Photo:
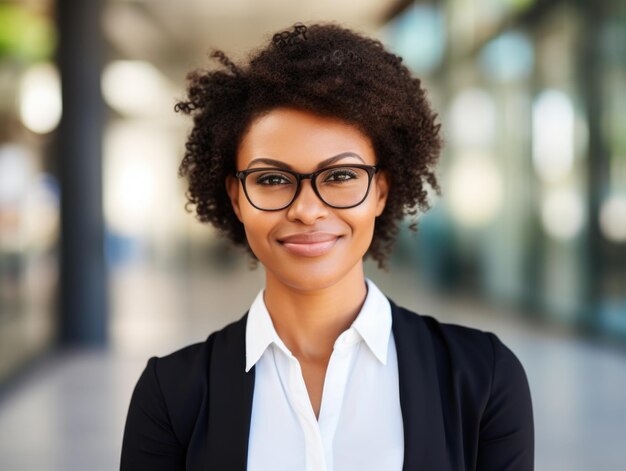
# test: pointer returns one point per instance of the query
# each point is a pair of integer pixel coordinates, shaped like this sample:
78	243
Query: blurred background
101	267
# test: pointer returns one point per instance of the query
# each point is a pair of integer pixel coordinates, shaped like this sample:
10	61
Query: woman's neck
309	321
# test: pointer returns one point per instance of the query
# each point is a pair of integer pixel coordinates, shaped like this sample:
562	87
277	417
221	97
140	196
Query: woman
309	156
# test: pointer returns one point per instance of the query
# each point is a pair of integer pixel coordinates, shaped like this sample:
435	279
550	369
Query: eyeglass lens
337	186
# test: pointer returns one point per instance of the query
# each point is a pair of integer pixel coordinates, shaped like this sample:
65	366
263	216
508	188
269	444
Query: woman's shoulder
173	387
453	334
193	358
486	400
467	350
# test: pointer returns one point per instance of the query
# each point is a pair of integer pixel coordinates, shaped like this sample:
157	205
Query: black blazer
464	398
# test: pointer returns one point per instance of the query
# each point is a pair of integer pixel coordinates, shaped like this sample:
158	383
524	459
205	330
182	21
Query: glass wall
534	168
612	192
30	109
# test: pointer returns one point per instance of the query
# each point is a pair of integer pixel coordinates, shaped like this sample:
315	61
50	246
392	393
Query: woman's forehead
300	137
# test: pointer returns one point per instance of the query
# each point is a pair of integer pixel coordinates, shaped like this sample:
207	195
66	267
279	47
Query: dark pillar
83	287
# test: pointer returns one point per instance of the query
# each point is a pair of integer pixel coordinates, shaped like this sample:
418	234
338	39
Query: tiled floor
68	413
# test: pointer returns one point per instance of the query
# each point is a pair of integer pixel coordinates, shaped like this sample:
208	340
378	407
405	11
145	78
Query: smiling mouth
309	245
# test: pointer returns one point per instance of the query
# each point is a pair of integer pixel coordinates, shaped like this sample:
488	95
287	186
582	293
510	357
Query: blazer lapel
420	398
231	391
230	400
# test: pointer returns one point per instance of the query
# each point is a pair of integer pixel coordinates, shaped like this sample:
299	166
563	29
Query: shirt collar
260	331
373	324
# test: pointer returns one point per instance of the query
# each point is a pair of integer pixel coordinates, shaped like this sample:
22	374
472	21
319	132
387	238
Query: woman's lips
309	245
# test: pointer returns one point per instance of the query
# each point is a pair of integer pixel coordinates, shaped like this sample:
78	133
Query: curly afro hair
328	70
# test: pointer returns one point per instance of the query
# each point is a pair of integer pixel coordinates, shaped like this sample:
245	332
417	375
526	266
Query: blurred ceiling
177	35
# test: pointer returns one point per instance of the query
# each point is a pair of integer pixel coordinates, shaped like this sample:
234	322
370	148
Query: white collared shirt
360	421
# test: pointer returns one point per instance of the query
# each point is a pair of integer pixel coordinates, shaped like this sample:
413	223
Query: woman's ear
232	188
381	180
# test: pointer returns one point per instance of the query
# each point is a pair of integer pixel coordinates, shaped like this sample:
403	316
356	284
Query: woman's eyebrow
337	157
272	162
323	163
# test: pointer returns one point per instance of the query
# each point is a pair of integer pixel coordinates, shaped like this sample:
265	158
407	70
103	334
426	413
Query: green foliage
25	35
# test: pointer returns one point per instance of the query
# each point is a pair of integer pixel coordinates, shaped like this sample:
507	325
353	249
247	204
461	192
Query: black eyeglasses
338	186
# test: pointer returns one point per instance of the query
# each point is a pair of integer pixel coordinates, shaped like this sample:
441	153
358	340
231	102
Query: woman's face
308	245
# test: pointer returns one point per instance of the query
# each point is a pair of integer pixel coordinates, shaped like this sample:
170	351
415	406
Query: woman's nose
307	207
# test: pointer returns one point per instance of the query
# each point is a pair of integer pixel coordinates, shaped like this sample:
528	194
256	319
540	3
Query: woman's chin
316	277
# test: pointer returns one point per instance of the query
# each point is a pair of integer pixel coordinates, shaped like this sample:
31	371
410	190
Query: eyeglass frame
370	169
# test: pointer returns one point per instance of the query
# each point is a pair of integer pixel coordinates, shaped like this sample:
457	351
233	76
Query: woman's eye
341	175
273	179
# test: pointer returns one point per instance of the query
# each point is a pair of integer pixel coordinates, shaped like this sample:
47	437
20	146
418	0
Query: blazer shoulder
483	383
482	347
473	355
195	354
188	359
182	377
453	336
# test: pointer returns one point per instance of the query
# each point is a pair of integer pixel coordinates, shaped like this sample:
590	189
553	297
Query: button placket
335	383
314	446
